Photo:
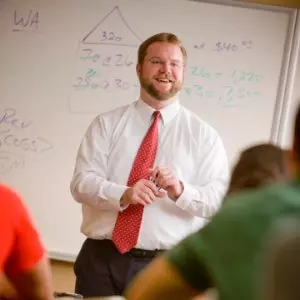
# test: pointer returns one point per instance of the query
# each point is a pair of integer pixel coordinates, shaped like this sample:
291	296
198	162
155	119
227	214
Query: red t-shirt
20	246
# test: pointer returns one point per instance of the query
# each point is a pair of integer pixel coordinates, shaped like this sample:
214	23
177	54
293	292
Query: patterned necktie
127	227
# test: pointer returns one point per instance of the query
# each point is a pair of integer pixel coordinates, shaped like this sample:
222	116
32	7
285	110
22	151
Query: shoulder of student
271	198
8	194
9	200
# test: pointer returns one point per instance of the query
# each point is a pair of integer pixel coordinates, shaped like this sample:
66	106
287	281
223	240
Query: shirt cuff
188	194
115	192
122	206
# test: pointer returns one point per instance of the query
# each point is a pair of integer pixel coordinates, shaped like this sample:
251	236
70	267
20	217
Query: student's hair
257	166
160	37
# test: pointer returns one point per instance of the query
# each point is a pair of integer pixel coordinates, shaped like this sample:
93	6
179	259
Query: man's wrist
123	202
175	197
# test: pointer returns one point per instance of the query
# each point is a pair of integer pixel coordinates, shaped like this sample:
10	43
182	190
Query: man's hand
142	192
167	179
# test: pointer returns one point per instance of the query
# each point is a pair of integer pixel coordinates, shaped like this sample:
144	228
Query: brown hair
259	165
160	37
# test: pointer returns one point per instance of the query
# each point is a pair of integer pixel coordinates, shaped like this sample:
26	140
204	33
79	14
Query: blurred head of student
259	165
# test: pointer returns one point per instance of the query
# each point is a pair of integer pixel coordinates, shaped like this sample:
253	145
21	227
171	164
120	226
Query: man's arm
212	171
205	200
180	273
89	184
36	283
160	280
7	290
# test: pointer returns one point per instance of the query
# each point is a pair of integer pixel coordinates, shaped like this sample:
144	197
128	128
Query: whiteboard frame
293	65
288	66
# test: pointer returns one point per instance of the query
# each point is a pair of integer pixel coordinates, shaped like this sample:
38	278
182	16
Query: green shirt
229	252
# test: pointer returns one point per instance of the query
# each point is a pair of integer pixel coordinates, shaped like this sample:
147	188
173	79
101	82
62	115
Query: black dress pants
101	270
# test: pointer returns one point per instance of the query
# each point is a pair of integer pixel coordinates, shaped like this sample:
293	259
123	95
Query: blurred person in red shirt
23	258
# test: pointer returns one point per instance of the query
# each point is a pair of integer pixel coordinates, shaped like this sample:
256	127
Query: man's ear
138	70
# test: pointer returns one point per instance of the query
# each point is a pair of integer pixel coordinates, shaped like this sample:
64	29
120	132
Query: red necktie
127	227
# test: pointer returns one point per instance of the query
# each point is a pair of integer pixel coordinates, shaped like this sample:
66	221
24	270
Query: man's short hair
163	37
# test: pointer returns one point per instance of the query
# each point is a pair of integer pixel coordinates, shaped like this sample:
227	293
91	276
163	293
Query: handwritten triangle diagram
112	30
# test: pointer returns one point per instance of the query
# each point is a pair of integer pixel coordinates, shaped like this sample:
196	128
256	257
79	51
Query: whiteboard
64	61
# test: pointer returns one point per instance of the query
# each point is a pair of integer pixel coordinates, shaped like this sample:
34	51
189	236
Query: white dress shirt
187	145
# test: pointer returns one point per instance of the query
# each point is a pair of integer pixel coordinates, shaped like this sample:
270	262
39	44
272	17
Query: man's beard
155	93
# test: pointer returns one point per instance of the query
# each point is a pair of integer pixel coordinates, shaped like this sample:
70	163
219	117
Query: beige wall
63	276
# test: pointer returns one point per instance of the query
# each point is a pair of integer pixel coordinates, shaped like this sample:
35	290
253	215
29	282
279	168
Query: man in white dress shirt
190	171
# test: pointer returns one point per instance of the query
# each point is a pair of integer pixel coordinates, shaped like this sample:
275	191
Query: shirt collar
167	113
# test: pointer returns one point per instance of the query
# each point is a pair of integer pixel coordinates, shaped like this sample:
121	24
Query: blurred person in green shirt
228	254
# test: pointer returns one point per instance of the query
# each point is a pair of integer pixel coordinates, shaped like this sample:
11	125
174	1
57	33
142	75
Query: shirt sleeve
26	249
6	234
190	263
204	200
89	184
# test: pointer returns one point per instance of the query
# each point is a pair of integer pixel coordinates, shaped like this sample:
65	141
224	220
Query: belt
140	253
